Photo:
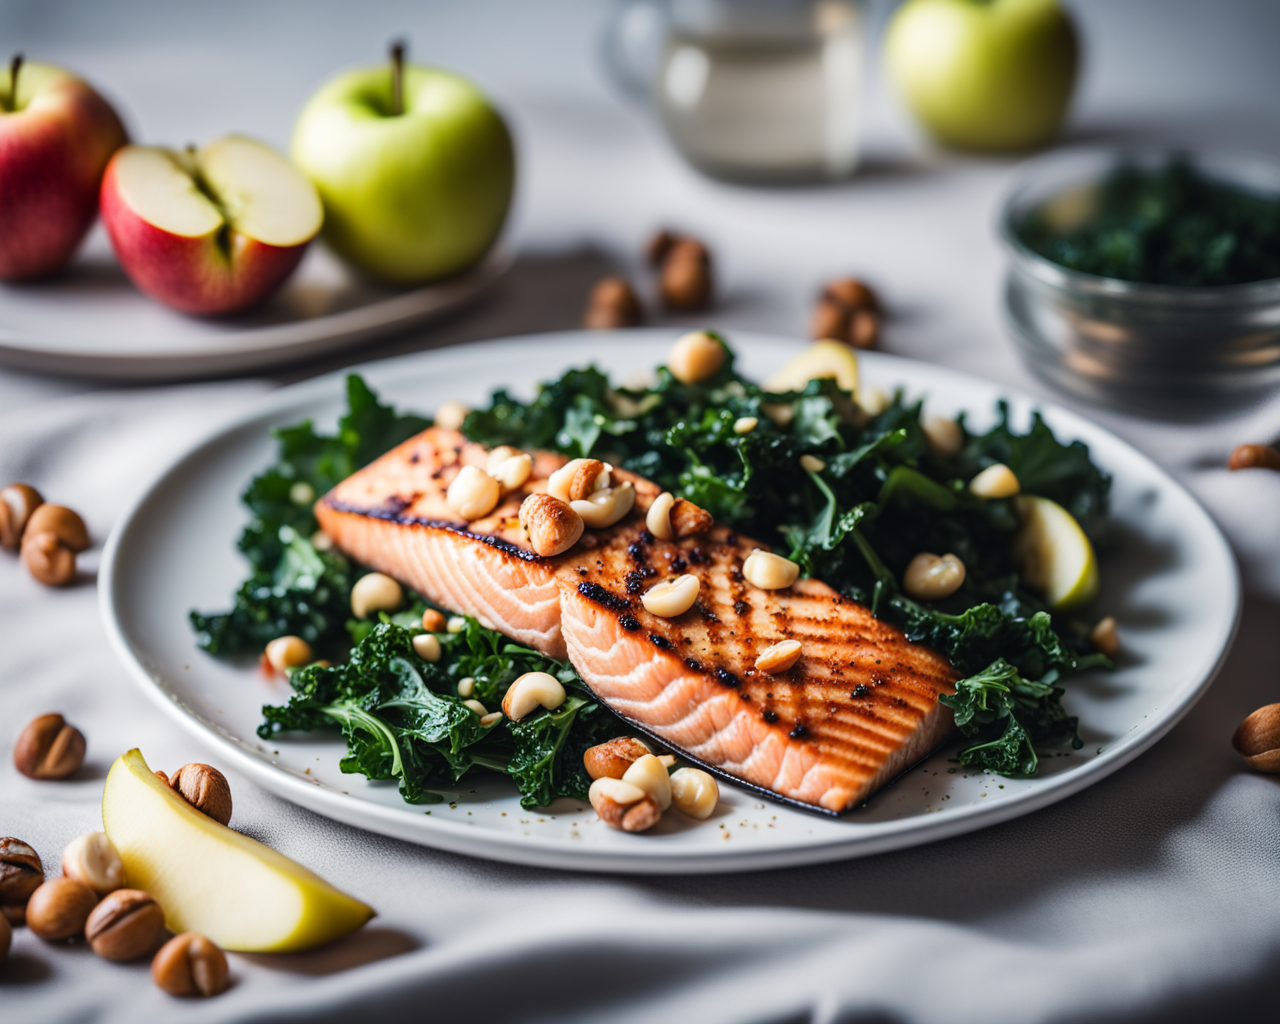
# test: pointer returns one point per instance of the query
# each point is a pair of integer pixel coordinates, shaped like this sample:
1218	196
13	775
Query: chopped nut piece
779	657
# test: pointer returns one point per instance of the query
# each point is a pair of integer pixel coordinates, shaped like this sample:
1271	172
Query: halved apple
211	879
1053	553
208	231
821	359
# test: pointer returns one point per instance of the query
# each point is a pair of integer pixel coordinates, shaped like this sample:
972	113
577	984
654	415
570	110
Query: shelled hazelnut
612	303
685	277
849	311
204	788
94	860
21	874
49	748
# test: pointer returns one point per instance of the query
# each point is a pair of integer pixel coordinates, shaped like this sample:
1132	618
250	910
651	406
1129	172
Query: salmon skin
858	708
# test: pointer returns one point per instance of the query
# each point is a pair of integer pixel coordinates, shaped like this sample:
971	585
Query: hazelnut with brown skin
1254	456
849	311
685	278
49	748
190	965
1257	739
59	909
127	924
612	304
17	502
50	543
204	788
21	874
612	759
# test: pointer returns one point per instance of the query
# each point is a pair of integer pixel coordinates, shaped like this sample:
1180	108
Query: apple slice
213	880
208	231
821	359
1054	555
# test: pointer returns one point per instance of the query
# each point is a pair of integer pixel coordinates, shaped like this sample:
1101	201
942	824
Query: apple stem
15	66
397	78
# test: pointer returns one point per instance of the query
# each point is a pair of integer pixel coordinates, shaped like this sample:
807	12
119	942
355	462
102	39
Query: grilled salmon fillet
858	708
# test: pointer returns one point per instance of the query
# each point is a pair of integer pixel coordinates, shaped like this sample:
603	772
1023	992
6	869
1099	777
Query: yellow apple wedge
211	879
821	359
1054	554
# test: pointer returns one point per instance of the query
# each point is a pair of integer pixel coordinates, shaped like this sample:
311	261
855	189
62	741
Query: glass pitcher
764	90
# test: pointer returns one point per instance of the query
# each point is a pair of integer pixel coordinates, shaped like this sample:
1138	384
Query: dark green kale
1169	226
1008	716
403	720
295	589
881	497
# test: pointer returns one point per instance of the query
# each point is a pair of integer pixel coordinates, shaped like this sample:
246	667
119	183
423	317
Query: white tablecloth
1153	895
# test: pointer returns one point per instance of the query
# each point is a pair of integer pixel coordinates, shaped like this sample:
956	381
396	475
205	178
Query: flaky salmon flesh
858	708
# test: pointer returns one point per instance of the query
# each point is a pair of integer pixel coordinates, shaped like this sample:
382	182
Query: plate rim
258	348
550	852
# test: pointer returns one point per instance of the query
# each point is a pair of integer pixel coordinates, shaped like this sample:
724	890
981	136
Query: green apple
984	74
821	359
414	166
212	879
1053	554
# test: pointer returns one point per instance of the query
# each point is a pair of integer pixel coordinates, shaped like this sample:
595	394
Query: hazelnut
830	320
847	311
852	294
47	559
1257	739
21	874
685	278
864	329
204	788
433	621
611	760
59	908
127	924
688	519
1254	456
612	304
190	965
553	526
17	502
93	860
49	748
68	526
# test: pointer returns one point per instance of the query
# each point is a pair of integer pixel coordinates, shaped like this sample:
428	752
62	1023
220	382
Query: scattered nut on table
1254	456
59	908
93	860
54	535
21	874
849	311
685	278
190	965
17	502
1257	739
127	924
204	788
612	304
49	748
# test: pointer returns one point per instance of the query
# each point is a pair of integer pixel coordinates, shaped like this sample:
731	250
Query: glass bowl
1121	342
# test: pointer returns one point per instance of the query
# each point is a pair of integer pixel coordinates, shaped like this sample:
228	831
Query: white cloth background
1154	895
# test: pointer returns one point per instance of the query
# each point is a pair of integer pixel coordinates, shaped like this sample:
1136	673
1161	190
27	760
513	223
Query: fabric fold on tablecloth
1153	895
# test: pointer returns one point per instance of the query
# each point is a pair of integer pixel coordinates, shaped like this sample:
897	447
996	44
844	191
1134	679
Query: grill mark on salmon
859	707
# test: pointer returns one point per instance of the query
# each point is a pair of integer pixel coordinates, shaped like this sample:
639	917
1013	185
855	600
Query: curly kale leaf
403	720
1008	715
293	587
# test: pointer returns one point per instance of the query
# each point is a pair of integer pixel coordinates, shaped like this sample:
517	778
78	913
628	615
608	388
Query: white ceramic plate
1171	581
92	321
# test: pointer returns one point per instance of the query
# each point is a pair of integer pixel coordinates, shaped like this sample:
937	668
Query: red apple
56	136
208	231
